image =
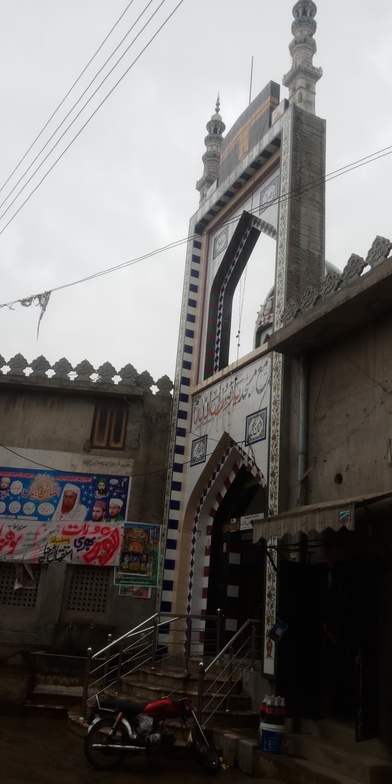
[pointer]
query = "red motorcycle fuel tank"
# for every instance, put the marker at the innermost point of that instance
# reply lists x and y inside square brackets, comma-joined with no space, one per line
[163,709]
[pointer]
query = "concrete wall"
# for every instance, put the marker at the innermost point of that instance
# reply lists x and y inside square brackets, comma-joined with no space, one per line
[350,415]
[349,455]
[306,253]
[50,422]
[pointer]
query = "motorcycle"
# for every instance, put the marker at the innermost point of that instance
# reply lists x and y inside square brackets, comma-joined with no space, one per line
[119,728]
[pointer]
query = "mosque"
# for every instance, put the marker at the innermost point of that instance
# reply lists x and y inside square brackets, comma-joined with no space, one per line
[278,485]
[265,176]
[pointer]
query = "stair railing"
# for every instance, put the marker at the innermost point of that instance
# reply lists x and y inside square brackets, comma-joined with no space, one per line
[236,657]
[156,639]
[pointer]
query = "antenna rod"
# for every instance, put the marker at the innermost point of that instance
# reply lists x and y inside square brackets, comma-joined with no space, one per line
[251,79]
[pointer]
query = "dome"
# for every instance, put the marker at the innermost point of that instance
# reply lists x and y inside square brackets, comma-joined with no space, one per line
[265,316]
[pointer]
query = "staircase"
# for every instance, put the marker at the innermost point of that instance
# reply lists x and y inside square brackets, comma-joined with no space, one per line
[151,661]
[225,707]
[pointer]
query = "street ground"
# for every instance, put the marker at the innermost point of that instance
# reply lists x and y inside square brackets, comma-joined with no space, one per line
[42,750]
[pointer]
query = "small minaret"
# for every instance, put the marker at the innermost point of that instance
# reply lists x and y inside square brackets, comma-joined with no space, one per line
[302,77]
[211,157]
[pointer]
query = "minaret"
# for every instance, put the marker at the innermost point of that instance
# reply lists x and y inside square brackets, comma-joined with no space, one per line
[302,77]
[211,157]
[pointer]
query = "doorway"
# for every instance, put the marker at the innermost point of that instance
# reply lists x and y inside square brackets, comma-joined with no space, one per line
[236,574]
[327,658]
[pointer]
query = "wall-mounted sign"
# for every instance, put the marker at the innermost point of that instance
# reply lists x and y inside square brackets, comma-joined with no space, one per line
[48,516]
[139,555]
[89,544]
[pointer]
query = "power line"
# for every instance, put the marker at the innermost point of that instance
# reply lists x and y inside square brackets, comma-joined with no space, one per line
[132,476]
[79,113]
[64,99]
[176,243]
[89,118]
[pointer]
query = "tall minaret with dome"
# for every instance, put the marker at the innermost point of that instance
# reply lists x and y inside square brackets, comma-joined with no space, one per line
[263,176]
[302,77]
[211,157]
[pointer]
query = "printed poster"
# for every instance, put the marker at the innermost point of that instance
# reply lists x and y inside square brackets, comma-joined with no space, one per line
[49,515]
[139,556]
[135,591]
[87,544]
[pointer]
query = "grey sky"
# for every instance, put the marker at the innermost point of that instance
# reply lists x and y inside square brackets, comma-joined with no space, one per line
[127,185]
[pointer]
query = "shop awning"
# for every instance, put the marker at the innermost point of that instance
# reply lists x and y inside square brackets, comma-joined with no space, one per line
[315,517]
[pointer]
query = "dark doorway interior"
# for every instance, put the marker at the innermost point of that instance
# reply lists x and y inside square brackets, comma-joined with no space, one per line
[299,650]
[327,658]
[236,579]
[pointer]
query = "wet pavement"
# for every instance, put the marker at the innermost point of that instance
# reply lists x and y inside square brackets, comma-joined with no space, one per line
[42,750]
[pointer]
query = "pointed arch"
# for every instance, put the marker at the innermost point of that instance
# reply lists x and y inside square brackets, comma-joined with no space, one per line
[215,482]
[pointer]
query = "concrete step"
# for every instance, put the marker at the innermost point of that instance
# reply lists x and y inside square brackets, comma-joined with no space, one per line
[342,734]
[139,691]
[176,678]
[239,714]
[340,759]
[241,749]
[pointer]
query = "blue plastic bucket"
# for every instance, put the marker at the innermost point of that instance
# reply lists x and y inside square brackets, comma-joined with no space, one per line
[271,739]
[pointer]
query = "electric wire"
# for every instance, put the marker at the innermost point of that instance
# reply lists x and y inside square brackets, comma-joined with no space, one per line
[86,122]
[169,468]
[164,469]
[72,109]
[177,243]
[65,98]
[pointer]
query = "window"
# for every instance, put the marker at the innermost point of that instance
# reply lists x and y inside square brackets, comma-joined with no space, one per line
[109,425]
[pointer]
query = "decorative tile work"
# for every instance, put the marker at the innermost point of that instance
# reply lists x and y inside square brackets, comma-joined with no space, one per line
[269,194]
[280,283]
[256,426]
[282,249]
[199,450]
[254,223]
[222,293]
[270,606]
[221,242]
[184,375]
[177,444]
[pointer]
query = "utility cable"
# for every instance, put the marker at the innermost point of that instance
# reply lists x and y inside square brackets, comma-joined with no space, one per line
[176,243]
[64,99]
[74,107]
[165,469]
[89,118]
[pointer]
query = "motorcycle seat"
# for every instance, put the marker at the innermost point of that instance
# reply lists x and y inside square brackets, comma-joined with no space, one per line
[129,708]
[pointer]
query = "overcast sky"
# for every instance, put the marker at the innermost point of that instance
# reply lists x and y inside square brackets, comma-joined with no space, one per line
[126,185]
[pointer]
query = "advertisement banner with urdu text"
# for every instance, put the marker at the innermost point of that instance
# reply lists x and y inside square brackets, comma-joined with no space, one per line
[49,515]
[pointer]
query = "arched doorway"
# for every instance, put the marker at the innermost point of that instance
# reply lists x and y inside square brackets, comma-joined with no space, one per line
[236,572]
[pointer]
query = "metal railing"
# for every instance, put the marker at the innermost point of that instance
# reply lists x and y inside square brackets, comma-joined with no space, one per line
[177,640]
[161,638]
[238,656]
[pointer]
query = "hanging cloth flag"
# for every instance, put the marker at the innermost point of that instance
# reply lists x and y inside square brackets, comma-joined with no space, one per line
[41,300]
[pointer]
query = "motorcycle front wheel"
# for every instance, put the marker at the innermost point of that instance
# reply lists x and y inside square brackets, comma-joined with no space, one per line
[102,745]
[205,751]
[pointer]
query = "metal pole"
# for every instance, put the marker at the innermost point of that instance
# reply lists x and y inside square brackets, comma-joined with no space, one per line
[253,647]
[188,643]
[229,680]
[154,643]
[107,657]
[219,630]
[119,666]
[86,681]
[201,691]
